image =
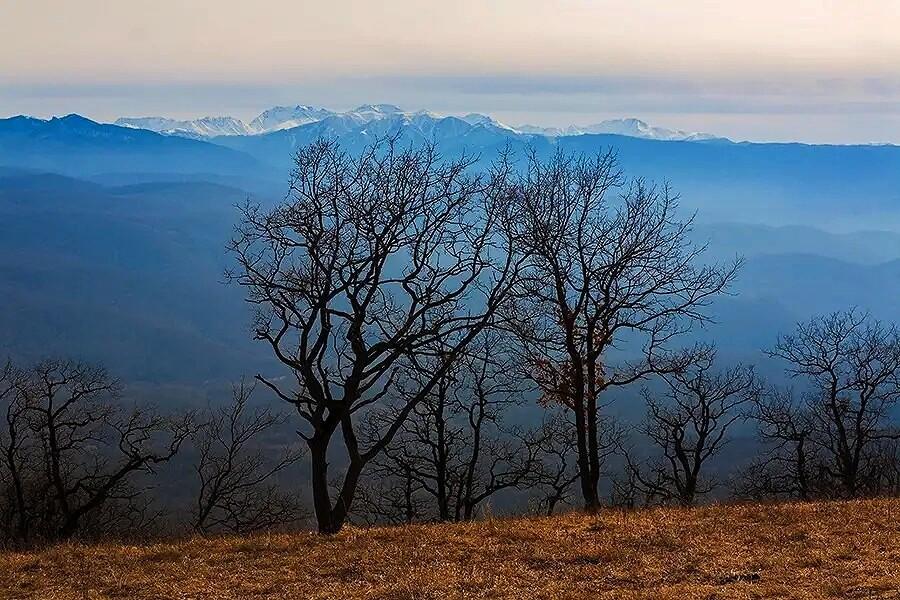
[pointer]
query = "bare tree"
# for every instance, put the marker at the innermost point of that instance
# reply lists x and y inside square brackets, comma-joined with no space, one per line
[786,467]
[688,426]
[424,454]
[850,365]
[73,453]
[498,457]
[886,468]
[602,267]
[392,494]
[373,265]
[455,449]
[558,457]
[15,510]
[237,489]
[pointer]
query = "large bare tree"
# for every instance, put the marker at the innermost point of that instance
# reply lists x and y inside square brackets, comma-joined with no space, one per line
[608,260]
[374,265]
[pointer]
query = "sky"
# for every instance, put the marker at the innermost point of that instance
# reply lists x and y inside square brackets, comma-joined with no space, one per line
[804,70]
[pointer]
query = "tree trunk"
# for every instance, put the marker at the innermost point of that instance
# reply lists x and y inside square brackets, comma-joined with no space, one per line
[443,500]
[588,484]
[690,491]
[318,450]
[593,452]
[330,518]
[19,491]
[802,485]
[341,508]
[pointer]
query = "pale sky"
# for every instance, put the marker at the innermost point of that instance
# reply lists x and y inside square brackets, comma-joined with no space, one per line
[809,70]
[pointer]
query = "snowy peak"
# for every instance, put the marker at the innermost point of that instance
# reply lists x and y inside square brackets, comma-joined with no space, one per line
[273,119]
[484,120]
[637,128]
[152,123]
[286,117]
[377,109]
[630,127]
[205,127]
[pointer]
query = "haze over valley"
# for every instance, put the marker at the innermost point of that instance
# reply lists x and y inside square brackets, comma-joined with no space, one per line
[117,236]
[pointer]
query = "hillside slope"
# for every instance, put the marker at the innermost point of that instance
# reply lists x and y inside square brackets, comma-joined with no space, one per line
[76,146]
[130,276]
[822,550]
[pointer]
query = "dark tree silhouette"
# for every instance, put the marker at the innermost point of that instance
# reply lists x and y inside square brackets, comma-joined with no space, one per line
[374,265]
[885,468]
[237,491]
[787,466]
[15,508]
[602,266]
[558,456]
[831,440]
[73,453]
[455,450]
[688,426]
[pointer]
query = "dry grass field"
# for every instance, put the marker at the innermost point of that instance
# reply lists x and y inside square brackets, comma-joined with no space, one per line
[821,550]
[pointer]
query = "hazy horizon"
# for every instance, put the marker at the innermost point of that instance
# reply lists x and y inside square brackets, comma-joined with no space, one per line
[811,70]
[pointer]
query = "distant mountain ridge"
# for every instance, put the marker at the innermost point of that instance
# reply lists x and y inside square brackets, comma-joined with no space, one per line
[630,127]
[288,117]
[130,275]
[75,145]
[769,183]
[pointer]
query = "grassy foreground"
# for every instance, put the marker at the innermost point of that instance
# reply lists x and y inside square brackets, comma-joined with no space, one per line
[820,550]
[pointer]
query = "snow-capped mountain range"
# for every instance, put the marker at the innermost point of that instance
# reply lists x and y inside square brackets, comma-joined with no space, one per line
[287,117]
[205,127]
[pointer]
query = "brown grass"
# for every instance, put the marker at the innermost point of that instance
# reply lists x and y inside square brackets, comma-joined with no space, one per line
[821,550]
